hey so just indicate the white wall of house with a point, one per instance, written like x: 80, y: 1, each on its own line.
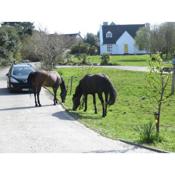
x: 118, y: 48
x: 102, y: 47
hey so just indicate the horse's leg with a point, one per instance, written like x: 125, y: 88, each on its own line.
x: 81, y: 103
x: 102, y: 102
x: 85, y: 102
x: 38, y: 93
x: 34, y: 92
x: 106, y: 103
x: 55, y: 96
x: 94, y: 102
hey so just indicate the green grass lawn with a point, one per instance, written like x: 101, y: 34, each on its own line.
x: 124, y: 60
x: 121, y: 60
x: 132, y: 108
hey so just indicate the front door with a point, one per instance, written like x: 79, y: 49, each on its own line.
x: 125, y: 48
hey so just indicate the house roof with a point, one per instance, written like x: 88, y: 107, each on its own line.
x: 118, y: 30
x: 75, y: 35
x: 72, y: 35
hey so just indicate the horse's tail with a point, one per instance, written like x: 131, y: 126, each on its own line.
x: 29, y: 80
x: 112, y: 93
x: 62, y: 85
x: 63, y: 88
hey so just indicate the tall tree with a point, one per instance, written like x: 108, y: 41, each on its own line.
x: 10, y: 43
x: 24, y: 28
x: 167, y: 32
x: 143, y: 38
x: 159, y: 38
x: 92, y: 41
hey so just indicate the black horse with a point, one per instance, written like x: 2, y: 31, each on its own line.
x: 92, y: 84
x: 39, y: 79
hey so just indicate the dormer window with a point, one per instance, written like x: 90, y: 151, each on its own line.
x: 108, y: 34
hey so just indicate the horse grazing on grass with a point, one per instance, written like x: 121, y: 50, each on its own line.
x: 95, y: 84
x: 39, y: 79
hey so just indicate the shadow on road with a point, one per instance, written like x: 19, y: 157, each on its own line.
x: 23, y: 107
x: 63, y: 116
x: 74, y: 116
x: 5, y: 92
x: 115, y: 151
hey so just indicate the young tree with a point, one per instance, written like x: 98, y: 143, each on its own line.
x: 158, y: 88
x: 50, y: 48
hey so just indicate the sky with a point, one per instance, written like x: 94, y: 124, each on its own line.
x: 86, y: 16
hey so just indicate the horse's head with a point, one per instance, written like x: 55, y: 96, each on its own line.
x: 76, y: 102
x: 63, y: 95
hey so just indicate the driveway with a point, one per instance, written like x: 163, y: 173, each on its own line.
x: 129, y: 68
x: 27, y: 129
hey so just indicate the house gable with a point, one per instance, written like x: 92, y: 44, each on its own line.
x: 125, y: 40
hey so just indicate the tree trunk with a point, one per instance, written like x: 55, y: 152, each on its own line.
x: 158, y: 123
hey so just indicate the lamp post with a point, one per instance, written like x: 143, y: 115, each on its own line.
x: 173, y: 76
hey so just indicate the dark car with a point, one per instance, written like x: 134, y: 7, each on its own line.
x: 17, y: 76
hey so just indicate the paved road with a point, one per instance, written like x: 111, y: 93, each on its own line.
x: 129, y: 68
x: 24, y: 128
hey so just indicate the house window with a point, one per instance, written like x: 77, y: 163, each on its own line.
x: 108, y: 34
x: 109, y: 48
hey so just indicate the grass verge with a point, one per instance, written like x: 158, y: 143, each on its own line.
x: 131, y: 110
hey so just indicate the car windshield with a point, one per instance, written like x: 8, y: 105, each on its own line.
x: 22, y: 71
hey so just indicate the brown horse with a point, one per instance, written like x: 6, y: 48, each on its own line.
x: 95, y: 84
x: 39, y: 79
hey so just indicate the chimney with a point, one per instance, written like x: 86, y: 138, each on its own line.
x: 105, y: 23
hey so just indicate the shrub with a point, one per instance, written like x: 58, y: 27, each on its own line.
x: 105, y: 58
x: 83, y: 58
x: 93, y: 50
x: 147, y: 132
x: 80, y: 49
x: 4, y: 62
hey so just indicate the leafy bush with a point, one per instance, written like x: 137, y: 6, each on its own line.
x: 105, y: 58
x: 93, y: 50
x: 79, y: 49
x: 4, y: 62
x: 83, y: 58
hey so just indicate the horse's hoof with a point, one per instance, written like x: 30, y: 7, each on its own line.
x: 40, y: 105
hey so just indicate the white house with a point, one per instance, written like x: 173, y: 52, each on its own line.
x: 119, y: 39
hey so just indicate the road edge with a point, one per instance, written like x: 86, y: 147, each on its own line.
x: 75, y: 116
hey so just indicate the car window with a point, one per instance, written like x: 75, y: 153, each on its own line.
x: 21, y: 71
